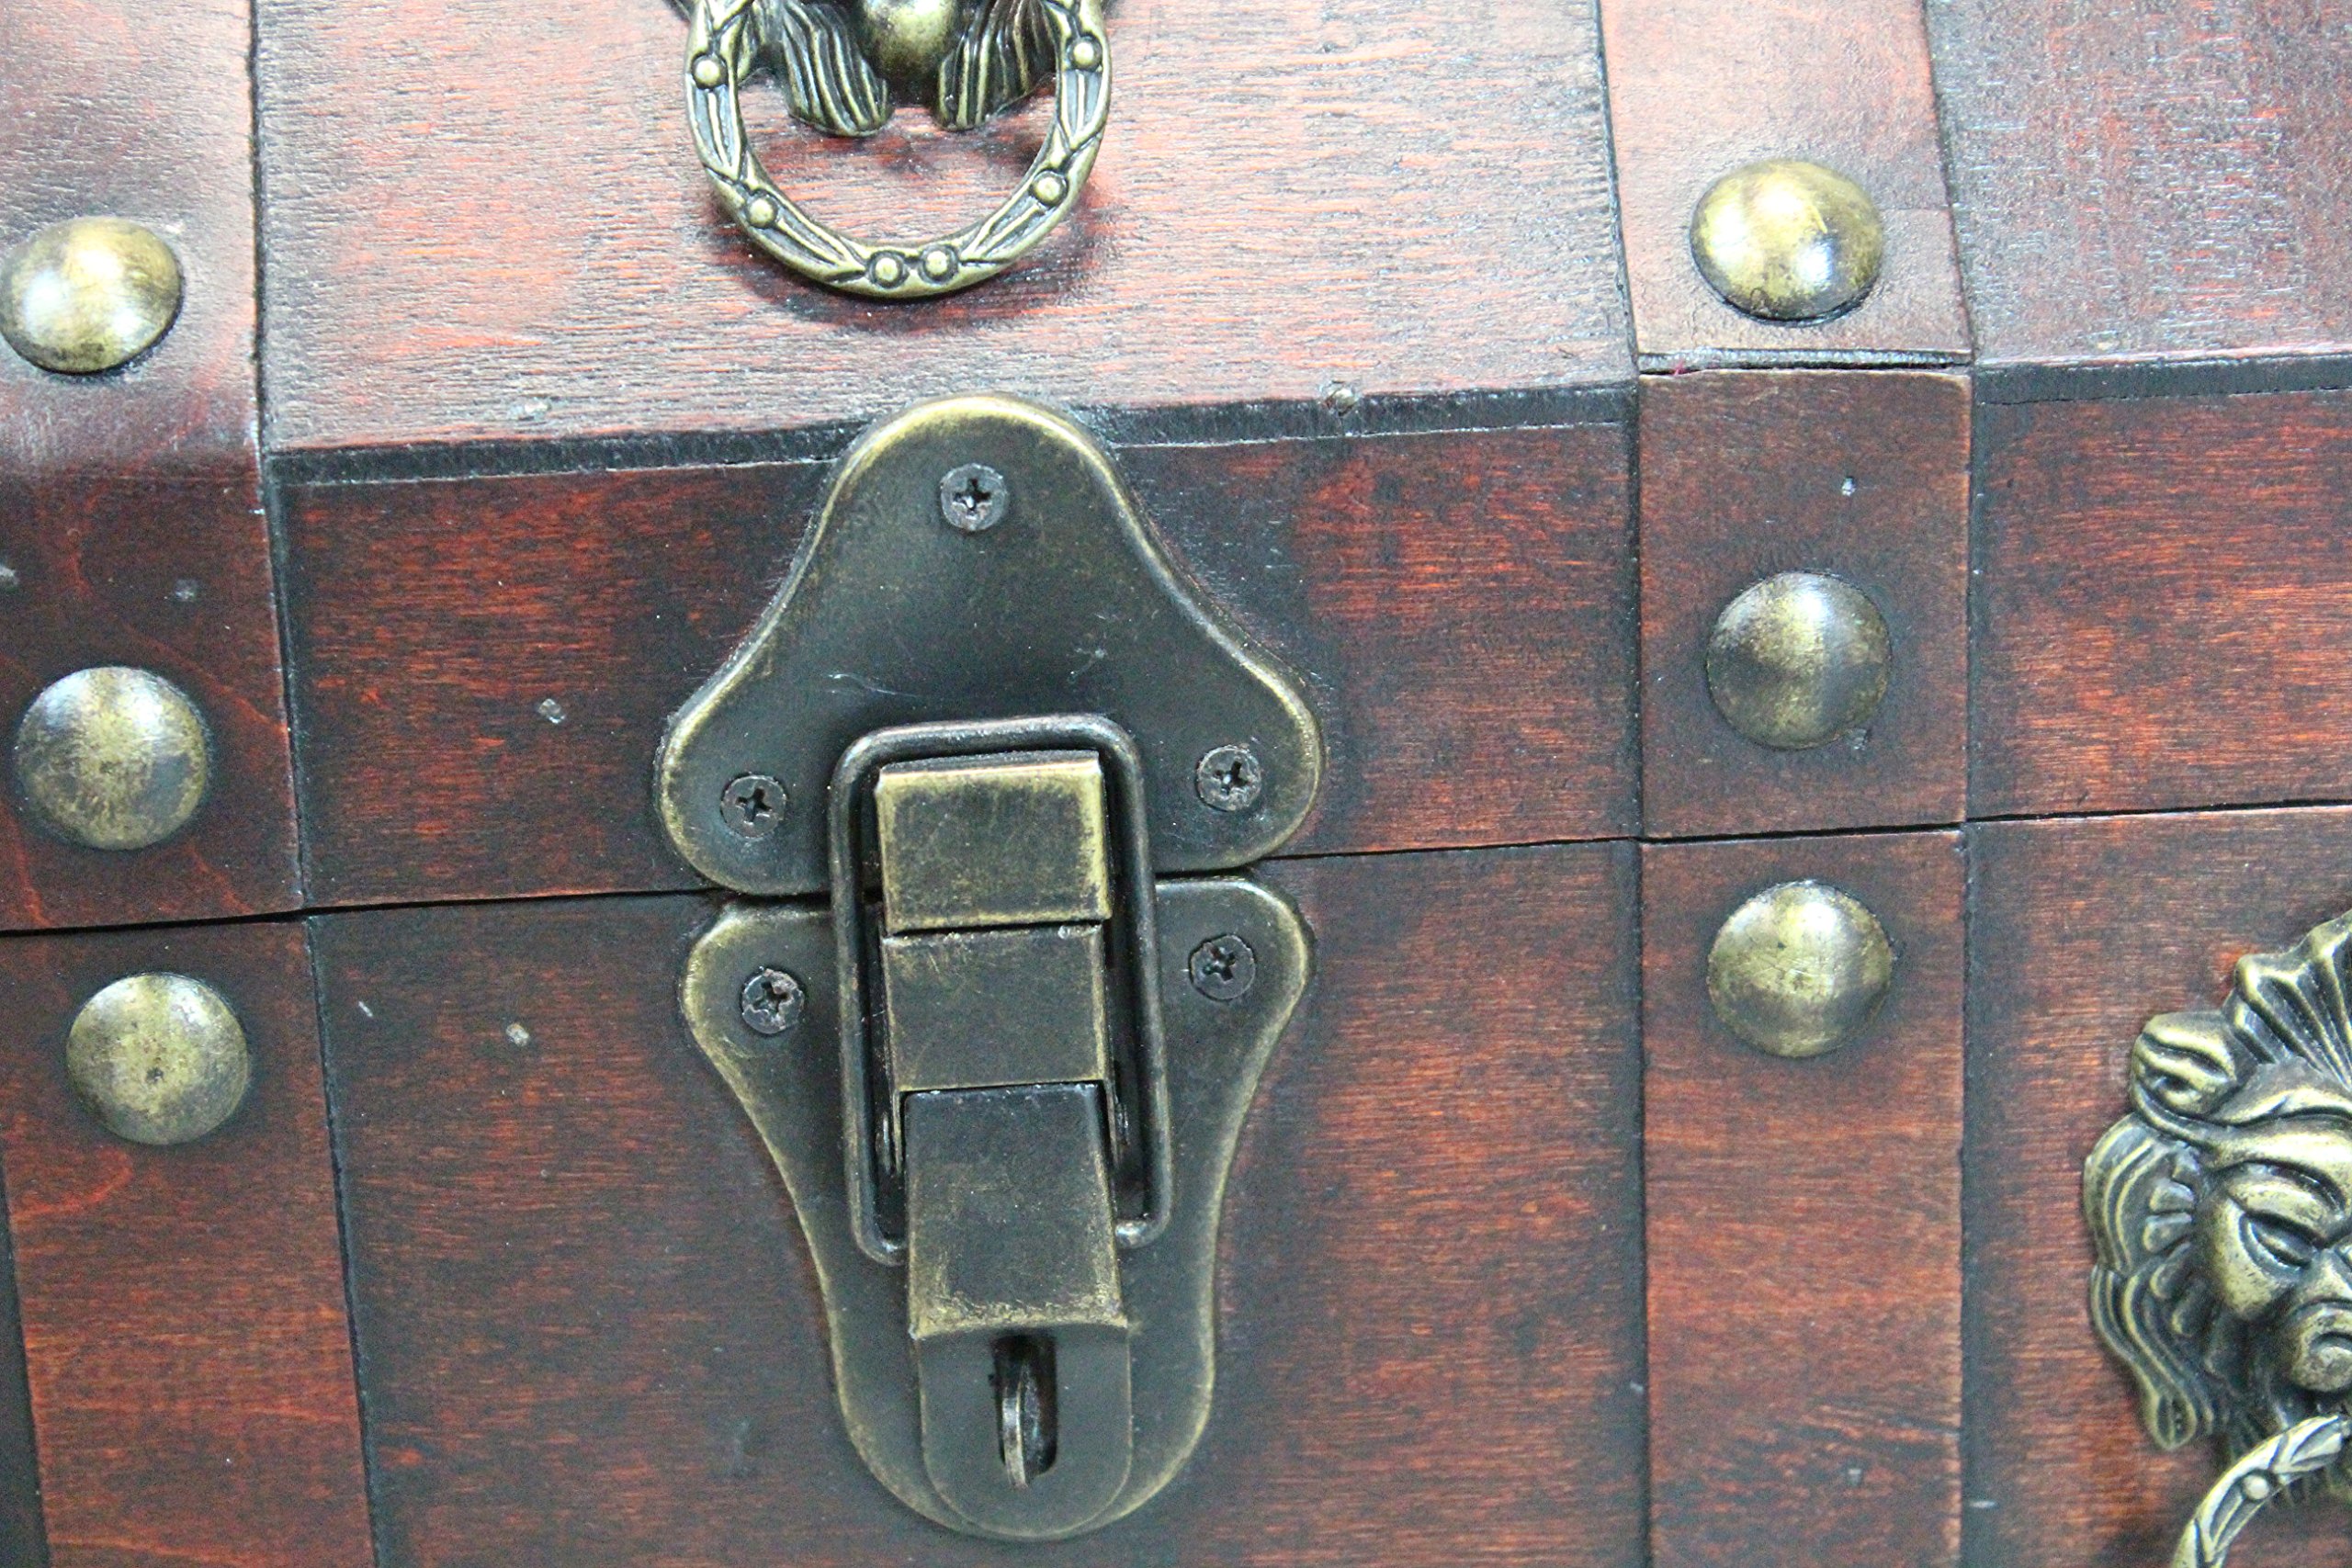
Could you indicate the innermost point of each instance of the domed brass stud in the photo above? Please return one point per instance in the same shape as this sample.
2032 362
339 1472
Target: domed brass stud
1788 241
88 295
113 758
1799 969
158 1058
1798 660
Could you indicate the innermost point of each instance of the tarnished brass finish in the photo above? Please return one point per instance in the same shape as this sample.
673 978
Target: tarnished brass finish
2266 1473
1011 840
1798 660
1788 241
1167 1289
954 1000
1010 1242
1068 605
113 758
2220 1207
1067 820
1018 720
1799 969
158 1058
88 295
843 65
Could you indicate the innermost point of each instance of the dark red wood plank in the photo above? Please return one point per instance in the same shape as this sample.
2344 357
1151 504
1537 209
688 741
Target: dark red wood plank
1862 475
1698 89
184 1332
2079 933
130 520
1803 1223
588 1334
2148 183
23 1541
483 227
2164 604
1460 604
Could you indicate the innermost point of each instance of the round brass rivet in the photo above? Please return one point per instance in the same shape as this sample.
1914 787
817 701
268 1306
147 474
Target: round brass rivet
890 271
759 211
158 1058
113 758
88 295
1788 241
1799 969
1086 52
710 71
1798 660
938 262
1049 188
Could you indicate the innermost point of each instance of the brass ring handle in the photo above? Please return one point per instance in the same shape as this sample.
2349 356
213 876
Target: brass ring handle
2300 1451
723 47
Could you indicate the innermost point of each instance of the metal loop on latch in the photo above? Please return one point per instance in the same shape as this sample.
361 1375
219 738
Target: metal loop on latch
819 51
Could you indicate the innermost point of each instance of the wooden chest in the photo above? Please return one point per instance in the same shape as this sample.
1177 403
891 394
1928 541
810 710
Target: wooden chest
1638 641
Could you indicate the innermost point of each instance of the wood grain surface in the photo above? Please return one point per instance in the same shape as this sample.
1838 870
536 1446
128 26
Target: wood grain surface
2079 933
138 113
1460 604
183 1312
1804 1217
1698 88
130 520
486 221
590 1337
2147 182
1861 475
2163 606
23 1541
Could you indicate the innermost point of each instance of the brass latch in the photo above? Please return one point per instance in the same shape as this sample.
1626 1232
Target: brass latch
1012 1119
1010 1171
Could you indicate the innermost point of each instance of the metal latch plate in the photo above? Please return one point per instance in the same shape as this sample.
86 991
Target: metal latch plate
790 1085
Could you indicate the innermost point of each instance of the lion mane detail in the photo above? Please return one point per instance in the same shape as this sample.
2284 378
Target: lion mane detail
2280 1046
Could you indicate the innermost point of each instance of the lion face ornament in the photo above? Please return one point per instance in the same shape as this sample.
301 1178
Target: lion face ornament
2221 1211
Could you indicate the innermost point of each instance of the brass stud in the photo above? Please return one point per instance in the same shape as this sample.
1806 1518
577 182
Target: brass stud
113 758
158 1058
88 295
1788 241
1798 660
1799 969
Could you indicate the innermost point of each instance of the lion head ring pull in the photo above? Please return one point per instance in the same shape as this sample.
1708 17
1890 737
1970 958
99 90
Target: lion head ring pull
844 63
2222 1211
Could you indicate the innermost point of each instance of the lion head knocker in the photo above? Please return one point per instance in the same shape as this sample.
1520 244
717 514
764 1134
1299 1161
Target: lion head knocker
844 66
2221 1209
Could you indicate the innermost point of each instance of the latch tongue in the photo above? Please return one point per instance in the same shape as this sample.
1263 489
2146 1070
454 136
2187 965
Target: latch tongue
1013 1302
996 884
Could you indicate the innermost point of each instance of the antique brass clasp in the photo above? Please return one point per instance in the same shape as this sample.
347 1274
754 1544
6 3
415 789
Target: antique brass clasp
986 722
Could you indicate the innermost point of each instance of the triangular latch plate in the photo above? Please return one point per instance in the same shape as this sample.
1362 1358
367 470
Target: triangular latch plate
979 557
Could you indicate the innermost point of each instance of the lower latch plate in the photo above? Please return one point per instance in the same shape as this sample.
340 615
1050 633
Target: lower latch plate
762 999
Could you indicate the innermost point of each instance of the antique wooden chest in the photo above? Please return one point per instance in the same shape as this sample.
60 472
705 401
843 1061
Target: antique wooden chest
1530 783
